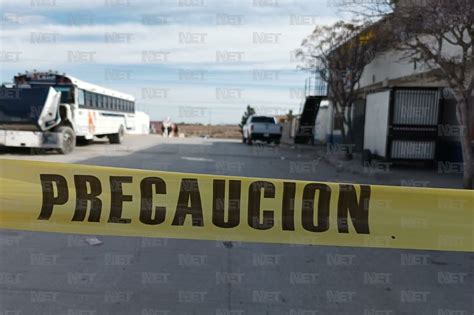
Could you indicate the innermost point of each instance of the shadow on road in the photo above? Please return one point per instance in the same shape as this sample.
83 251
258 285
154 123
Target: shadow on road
224 157
41 151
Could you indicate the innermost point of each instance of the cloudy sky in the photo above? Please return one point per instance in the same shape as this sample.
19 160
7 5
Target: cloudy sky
193 60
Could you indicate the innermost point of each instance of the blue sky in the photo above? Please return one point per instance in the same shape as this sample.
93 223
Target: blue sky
193 60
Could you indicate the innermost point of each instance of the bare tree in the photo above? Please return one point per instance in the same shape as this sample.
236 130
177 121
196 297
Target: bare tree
371 10
440 34
338 54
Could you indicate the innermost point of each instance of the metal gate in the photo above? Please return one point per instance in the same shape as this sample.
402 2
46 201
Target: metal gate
413 123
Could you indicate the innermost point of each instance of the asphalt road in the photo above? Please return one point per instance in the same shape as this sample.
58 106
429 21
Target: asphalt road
46 273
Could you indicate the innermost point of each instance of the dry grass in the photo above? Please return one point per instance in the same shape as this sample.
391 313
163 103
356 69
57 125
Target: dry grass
212 131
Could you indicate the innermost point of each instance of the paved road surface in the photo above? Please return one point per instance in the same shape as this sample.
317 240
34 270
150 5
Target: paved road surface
45 273
230 157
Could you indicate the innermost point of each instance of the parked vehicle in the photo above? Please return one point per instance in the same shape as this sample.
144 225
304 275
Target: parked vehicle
261 128
49 110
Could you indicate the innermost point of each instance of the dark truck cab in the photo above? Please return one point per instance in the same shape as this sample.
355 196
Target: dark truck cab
34 117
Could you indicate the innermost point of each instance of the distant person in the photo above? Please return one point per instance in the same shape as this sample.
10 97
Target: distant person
167 127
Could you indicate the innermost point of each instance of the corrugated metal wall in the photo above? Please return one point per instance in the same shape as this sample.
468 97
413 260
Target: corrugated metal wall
416 150
416 107
414 124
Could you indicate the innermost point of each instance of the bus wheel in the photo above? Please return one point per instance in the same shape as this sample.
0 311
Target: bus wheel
117 138
68 139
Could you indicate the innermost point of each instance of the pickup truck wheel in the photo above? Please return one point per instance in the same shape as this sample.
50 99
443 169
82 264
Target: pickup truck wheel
117 138
68 139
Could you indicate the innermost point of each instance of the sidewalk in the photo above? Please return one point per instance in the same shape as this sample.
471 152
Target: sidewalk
382 172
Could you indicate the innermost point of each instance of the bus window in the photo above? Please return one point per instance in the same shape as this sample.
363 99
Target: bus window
94 100
80 97
100 100
66 94
87 98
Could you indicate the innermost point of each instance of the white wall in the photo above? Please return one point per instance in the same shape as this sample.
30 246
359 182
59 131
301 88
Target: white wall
286 132
141 124
329 121
392 65
388 66
321 127
376 122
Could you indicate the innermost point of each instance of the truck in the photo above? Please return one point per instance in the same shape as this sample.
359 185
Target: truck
47 110
261 128
34 118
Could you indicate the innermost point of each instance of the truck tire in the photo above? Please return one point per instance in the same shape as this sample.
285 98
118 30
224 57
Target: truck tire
68 139
249 141
117 138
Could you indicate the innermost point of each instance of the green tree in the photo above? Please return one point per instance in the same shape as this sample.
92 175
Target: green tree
248 112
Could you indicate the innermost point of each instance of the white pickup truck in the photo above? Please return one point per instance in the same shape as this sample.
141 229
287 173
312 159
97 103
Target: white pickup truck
261 128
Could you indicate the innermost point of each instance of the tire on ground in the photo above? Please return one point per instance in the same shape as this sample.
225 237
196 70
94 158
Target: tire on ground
117 138
68 137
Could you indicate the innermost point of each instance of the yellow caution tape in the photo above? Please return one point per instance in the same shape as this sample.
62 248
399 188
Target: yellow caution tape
70 198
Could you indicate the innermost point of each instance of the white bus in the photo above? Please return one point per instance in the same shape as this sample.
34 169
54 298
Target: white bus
51 110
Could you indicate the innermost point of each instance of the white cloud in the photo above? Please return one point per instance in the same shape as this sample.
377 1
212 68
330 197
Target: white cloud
266 46
55 38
